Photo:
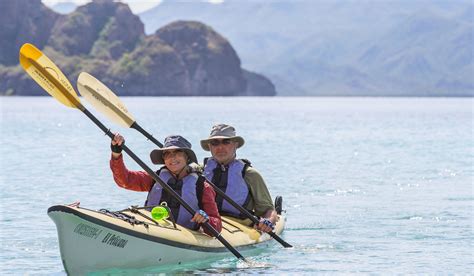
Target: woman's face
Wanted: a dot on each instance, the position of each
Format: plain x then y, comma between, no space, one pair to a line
175,160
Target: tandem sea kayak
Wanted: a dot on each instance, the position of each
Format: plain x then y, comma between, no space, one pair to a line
93,240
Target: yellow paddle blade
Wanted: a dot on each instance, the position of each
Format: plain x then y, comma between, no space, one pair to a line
103,99
48,76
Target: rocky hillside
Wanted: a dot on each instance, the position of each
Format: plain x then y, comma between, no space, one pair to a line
104,38
23,20
340,47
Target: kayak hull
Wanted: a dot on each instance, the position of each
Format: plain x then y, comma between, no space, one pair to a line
91,240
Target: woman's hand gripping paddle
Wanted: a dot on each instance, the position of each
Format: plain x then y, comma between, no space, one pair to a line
51,79
105,101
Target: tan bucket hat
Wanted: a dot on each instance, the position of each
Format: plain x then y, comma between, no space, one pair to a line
222,131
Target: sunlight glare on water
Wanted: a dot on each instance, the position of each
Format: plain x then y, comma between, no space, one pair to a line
370,185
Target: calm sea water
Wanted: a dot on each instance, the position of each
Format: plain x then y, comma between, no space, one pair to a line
370,185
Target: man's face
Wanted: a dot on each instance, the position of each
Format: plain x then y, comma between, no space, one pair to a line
223,150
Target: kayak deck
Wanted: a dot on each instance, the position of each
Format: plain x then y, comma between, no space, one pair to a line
92,240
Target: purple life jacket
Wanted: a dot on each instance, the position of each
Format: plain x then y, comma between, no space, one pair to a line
185,187
230,179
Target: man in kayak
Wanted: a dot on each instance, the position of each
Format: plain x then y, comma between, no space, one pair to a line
237,178
176,155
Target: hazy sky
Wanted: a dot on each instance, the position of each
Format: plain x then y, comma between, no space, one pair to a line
136,6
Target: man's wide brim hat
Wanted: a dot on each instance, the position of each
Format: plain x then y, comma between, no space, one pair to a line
222,131
173,142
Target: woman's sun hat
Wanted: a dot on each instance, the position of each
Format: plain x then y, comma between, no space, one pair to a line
173,142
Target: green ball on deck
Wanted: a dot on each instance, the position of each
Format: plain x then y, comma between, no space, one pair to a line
159,213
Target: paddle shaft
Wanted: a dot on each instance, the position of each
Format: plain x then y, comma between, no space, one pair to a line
150,137
33,55
219,191
165,186
246,213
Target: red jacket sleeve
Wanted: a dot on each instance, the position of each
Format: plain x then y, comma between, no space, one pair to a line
131,180
210,207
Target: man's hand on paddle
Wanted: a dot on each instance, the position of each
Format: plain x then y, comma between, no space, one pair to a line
264,225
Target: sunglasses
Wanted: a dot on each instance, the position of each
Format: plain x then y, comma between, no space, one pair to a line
218,142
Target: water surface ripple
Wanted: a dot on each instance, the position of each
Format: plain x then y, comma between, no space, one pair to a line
370,185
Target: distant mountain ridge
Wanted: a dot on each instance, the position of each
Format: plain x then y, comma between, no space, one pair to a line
104,38
352,48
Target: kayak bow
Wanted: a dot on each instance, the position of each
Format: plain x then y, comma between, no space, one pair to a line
92,240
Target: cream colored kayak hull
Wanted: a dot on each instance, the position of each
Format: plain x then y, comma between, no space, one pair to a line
91,240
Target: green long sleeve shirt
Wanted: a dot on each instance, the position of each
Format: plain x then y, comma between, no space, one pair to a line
260,200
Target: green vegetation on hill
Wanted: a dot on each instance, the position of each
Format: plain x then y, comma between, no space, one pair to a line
104,38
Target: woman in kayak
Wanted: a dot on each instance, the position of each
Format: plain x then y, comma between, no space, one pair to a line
176,155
